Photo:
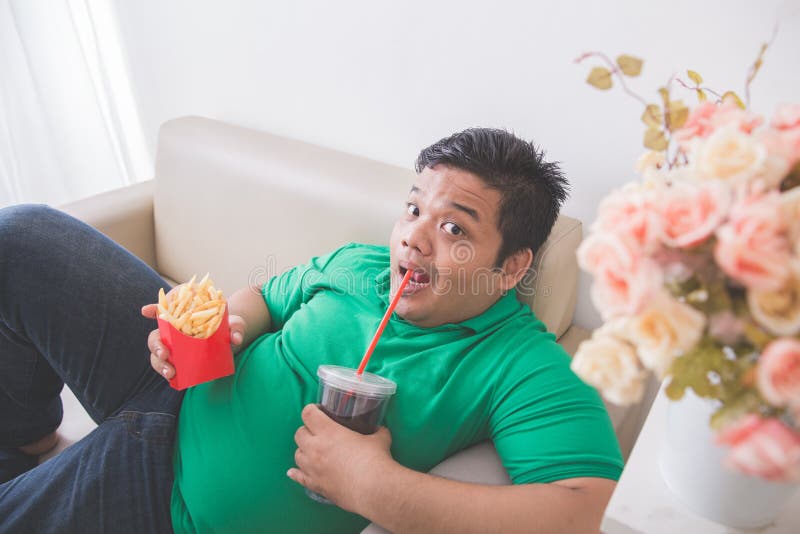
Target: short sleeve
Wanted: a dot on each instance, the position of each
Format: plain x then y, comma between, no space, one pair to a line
548,425
286,292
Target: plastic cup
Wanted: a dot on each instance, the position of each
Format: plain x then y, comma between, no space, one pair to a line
356,401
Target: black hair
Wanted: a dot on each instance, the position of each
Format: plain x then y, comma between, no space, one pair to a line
533,190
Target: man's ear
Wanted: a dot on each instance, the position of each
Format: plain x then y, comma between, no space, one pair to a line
515,266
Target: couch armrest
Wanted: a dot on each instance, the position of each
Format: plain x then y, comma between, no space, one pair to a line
125,215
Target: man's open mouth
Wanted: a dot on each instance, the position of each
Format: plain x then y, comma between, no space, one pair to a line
419,279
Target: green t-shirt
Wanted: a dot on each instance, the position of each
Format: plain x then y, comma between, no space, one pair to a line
499,375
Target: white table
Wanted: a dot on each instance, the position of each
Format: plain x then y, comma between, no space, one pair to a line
642,503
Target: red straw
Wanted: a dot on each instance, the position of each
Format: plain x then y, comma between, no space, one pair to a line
385,320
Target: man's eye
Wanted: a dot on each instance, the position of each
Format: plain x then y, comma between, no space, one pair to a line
452,228
412,209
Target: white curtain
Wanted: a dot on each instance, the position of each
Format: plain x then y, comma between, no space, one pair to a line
68,121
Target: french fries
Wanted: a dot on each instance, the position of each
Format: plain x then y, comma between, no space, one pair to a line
196,309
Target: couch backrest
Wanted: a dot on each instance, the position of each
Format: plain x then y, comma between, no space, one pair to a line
246,205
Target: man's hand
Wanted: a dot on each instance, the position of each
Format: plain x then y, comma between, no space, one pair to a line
338,462
159,353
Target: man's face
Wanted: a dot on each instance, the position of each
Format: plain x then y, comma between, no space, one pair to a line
448,236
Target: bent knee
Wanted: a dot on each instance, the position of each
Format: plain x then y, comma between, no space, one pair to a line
22,223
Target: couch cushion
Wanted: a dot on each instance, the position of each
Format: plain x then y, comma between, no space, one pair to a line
245,205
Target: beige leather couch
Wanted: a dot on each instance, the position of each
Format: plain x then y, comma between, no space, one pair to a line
245,205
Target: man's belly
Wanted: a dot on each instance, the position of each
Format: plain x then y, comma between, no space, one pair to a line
232,454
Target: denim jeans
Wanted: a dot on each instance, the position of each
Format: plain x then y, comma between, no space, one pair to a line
70,301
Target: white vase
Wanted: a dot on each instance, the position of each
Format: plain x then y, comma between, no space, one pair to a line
691,465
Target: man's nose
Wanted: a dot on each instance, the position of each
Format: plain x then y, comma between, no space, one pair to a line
416,237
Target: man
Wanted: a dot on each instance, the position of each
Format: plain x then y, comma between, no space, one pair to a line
470,362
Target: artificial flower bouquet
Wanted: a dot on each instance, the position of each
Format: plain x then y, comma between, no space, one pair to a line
696,269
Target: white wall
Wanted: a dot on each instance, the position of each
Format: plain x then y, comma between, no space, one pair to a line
383,79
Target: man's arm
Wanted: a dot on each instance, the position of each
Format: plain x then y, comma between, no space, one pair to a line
403,500
359,474
248,303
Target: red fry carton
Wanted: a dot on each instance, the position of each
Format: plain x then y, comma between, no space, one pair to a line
198,360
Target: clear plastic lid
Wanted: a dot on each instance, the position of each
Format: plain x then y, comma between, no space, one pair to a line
346,379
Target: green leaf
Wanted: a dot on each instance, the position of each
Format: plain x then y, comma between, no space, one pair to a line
756,335
600,77
705,281
652,115
678,113
701,96
664,92
684,287
694,370
629,65
675,390
696,78
734,97
654,139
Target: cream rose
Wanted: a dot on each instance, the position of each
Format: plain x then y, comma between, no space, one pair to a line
689,213
772,172
778,310
610,365
650,160
665,329
734,157
778,372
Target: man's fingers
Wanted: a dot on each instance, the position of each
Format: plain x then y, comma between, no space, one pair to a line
314,418
150,311
236,337
159,355
298,476
162,367
156,346
302,436
237,329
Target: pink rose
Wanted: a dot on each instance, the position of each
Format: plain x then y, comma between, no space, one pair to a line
630,214
790,210
709,116
752,247
787,117
778,372
699,123
764,448
624,280
690,213
784,139
730,114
